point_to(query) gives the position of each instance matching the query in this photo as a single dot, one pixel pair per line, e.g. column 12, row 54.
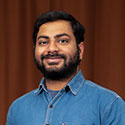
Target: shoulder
column 99, row 90
column 101, row 96
column 25, row 99
column 107, row 100
column 20, row 105
column 109, row 103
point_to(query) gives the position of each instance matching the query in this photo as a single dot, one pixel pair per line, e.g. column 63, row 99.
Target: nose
column 52, row 47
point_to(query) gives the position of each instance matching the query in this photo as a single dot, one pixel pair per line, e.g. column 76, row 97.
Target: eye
column 43, row 42
column 63, row 41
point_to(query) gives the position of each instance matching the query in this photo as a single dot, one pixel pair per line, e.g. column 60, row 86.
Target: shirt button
column 51, row 106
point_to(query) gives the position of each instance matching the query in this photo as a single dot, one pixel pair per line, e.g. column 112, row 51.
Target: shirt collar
column 41, row 87
column 74, row 85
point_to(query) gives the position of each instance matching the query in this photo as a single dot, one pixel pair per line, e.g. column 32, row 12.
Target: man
column 64, row 97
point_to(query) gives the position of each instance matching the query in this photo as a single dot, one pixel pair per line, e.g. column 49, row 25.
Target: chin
column 53, row 66
column 53, row 69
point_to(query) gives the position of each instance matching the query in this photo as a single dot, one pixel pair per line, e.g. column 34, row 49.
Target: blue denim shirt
column 80, row 102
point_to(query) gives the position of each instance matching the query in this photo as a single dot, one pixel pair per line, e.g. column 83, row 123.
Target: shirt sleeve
column 115, row 113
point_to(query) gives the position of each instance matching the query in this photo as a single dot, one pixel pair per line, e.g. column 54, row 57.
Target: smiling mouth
column 53, row 60
column 53, row 56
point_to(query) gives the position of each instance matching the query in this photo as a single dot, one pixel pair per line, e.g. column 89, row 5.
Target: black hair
column 78, row 29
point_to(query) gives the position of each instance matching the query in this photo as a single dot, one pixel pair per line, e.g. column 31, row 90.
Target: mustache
column 56, row 55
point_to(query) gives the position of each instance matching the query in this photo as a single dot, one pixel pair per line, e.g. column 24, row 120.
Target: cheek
column 70, row 54
column 38, row 53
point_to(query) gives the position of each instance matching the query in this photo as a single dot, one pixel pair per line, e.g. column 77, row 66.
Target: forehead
column 55, row 27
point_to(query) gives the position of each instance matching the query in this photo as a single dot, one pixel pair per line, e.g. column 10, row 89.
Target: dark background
column 104, row 56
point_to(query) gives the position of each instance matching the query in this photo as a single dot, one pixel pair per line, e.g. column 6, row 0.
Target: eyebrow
column 57, row 36
column 46, row 37
column 60, row 35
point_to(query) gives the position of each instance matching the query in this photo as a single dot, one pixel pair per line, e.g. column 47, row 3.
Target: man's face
column 56, row 52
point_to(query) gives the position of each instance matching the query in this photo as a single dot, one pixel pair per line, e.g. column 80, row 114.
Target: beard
column 64, row 72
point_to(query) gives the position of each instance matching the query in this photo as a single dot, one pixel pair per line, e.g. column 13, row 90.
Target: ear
column 81, row 50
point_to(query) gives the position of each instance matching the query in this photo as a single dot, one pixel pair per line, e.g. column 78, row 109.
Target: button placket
column 51, row 106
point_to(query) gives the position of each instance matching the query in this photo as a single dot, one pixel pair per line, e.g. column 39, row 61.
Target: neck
column 58, row 84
